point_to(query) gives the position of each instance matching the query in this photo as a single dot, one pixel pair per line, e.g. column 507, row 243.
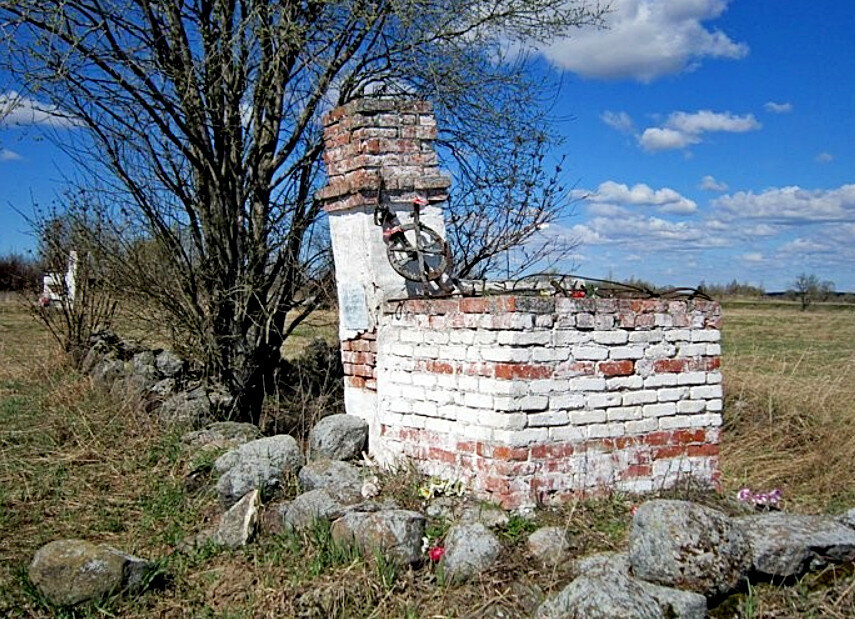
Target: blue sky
column 713, row 140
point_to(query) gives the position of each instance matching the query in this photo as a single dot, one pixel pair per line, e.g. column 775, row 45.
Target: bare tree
column 809, row 288
column 202, row 133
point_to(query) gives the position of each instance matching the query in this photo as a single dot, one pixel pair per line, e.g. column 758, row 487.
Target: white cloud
column 9, row 155
column 824, row 158
column 618, row 120
column 18, row 111
column 753, row 257
column 709, row 183
column 647, row 39
column 683, row 129
column 778, row 108
column 791, row 205
column 665, row 200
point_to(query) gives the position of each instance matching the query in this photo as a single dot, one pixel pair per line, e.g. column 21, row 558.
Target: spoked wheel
column 418, row 253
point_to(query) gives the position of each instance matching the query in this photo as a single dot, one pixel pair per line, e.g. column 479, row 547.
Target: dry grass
column 75, row 463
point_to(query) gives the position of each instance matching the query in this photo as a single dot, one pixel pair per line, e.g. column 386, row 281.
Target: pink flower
column 745, row 495
column 578, row 294
column 633, row 509
column 435, row 553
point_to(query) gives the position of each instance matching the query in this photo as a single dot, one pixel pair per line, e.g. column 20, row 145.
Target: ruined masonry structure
column 528, row 399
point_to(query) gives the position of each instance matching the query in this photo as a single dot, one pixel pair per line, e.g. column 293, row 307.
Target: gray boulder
column 687, row 546
column 549, row 545
column 169, row 364
column 469, row 549
column 847, row 518
column 107, row 371
column 784, row 545
column 339, row 478
column 674, row 603
column 488, row 515
column 397, row 533
column 310, row 507
column 237, row 525
column 338, row 437
column 190, row 408
column 261, row 464
column 71, row 571
column 221, row 435
column 142, row 364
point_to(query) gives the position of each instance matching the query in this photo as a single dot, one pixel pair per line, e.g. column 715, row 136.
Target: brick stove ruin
column 527, row 399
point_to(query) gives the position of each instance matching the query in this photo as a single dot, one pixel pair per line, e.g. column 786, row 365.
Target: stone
column 603, row 591
column 106, row 372
column 847, row 518
column 271, row 521
column 674, row 603
column 340, row 479
column 469, row 550
column 221, row 435
column 163, row 388
column 72, row 571
column 488, row 515
column 186, row 408
column 549, row 545
column 261, row 464
column 237, row 525
column 142, row 364
column 397, row 533
column 338, row 437
column 786, row 545
column 310, row 507
column 169, row 364
column 687, row 546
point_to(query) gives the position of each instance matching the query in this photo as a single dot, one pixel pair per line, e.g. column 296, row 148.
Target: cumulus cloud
column 824, row 158
column 646, row 234
column 790, row 205
column 618, row 120
column 683, row 129
column 19, row 111
column 709, row 183
column 778, row 108
column 9, row 155
column 753, row 257
column 665, row 200
column 647, row 39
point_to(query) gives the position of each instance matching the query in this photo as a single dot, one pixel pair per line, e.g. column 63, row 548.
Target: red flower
column 435, row 553
column 578, row 294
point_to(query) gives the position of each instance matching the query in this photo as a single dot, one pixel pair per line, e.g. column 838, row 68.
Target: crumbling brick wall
column 527, row 398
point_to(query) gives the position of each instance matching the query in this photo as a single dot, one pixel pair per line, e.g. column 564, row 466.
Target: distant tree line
column 18, row 273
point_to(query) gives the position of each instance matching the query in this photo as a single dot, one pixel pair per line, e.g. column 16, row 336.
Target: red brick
column 440, row 455
column 356, row 381
column 671, row 365
column 637, row 470
column 685, row 437
column 474, row 305
column 439, row 367
column 709, row 363
column 673, row 451
column 548, row 452
column 616, row 368
column 655, row 439
column 702, row 450
column 502, row 452
column 522, row 370
column 467, row 446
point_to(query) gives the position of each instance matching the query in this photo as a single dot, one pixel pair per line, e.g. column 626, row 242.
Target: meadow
column 76, row 463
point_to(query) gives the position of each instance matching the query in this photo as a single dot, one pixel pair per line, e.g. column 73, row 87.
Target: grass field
column 75, row 463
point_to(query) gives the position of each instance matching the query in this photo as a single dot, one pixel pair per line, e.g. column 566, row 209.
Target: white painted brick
column 569, row 434
column 639, row 397
column 473, row 354
column 707, row 392
column 549, row 385
column 663, row 320
column 678, row 335
column 505, row 421
column 391, row 419
column 676, row 422
column 610, row 337
column 533, row 402
column 714, row 406
column 398, row 405
column 627, row 352
column 494, row 386
column 401, row 350
column 606, row 430
column 624, row 382
column 413, row 421
column 425, row 407
column 485, row 338
column 442, row 337
column 691, row 350
column 550, row 354
column 521, row 438
column 592, row 353
column 691, row 378
column 476, row 433
column 588, row 383
column 552, row 418
column 713, row 350
column 645, row 336
column 657, row 351
column 565, row 322
column 423, row 379
column 471, row 416
column 568, row 338
column 544, row 320
column 623, row 413
column 706, row 335
column 604, row 322
column 411, row 335
column 505, row 403
column 441, row 426
column 448, row 411
column 659, row 410
column 691, row 406
column 462, row 336
column 672, row 395
column 414, row 393
column 567, row 401
column 525, row 338
column 635, row 485
column 468, row 383
column 585, row 417
column 506, row 354
column 454, row 353
column 642, row 426
column 604, row 400
column 661, row 380
column 478, row 400
column 714, row 377
column 447, row 381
